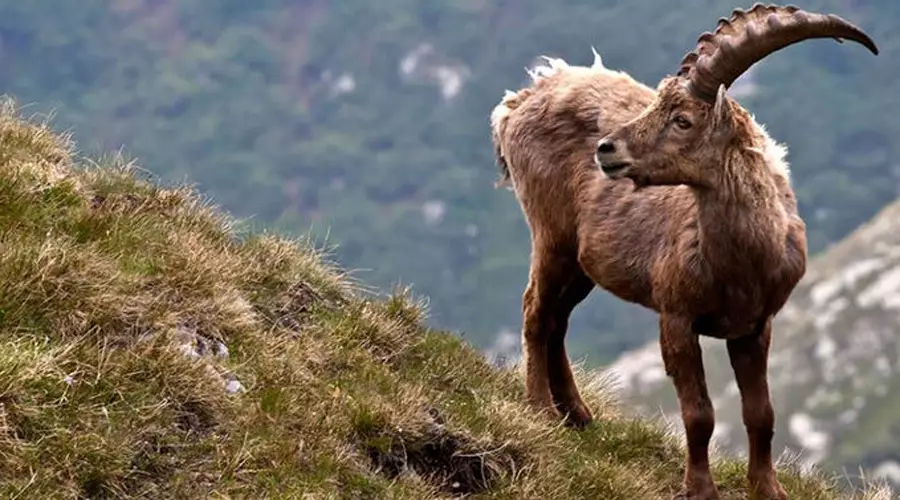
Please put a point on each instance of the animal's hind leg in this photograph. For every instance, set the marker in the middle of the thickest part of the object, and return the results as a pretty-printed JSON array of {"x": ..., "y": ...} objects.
[
  {"x": 748, "y": 358},
  {"x": 555, "y": 286},
  {"x": 562, "y": 383}
]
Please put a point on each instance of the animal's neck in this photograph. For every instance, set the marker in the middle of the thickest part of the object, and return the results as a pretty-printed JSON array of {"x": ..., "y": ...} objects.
[{"x": 741, "y": 221}]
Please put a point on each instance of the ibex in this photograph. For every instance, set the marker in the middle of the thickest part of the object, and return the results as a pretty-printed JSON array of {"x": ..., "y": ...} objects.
[{"x": 691, "y": 213}]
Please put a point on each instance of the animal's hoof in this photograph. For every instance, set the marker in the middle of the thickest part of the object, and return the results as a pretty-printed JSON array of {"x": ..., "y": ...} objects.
[
  {"x": 771, "y": 491},
  {"x": 707, "y": 494},
  {"x": 579, "y": 418},
  {"x": 767, "y": 489},
  {"x": 576, "y": 415}
]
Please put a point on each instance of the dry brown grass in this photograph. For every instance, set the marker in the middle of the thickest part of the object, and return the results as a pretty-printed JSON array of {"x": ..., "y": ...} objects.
[{"x": 117, "y": 297}]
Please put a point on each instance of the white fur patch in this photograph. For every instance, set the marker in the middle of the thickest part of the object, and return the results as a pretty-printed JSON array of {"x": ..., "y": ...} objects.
[
  {"x": 501, "y": 111},
  {"x": 774, "y": 153},
  {"x": 598, "y": 61},
  {"x": 539, "y": 72},
  {"x": 553, "y": 66}
]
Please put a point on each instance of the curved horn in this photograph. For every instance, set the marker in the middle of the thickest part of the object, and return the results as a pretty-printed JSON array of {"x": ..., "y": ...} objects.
[{"x": 748, "y": 36}]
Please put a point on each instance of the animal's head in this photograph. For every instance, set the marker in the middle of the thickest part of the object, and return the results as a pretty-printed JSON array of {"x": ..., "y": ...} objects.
[{"x": 684, "y": 135}]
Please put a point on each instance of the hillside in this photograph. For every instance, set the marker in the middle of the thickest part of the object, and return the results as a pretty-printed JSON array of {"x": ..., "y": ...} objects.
[
  {"x": 364, "y": 123},
  {"x": 148, "y": 349},
  {"x": 834, "y": 362}
]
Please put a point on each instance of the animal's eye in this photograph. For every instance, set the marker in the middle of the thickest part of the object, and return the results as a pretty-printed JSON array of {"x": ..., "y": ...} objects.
[{"x": 682, "y": 122}]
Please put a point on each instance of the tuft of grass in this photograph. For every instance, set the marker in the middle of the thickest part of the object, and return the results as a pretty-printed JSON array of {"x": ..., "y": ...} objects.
[{"x": 148, "y": 349}]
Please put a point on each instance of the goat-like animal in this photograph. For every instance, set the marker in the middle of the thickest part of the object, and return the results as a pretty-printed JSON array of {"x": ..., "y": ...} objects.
[{"x": 690, "y": 213}]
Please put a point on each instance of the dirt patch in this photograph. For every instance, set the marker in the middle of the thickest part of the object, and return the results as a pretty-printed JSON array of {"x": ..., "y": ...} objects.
[
  {"x": 452, "y": 462},
  {"x": 195, "y": 417},
  {"x": 292, "y": 309}
]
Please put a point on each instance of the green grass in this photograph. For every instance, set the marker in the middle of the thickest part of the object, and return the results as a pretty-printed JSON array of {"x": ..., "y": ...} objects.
[{"x": 117, "y": 295}]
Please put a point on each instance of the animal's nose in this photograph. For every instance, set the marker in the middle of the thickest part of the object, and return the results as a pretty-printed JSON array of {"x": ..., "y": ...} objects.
[{"x": 605, "y": 147}]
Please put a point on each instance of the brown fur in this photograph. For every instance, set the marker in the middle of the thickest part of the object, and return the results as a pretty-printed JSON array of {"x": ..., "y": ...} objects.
[{"x": 702, "y": 227}]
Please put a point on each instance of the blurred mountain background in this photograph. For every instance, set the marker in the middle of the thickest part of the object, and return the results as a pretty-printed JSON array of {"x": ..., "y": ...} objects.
[{"x": 366, "y": 124}]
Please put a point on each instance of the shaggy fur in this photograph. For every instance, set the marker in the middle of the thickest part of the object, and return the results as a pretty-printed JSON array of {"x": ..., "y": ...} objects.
[
  {"x": 691, "y": 214},
  {"x": 702, "y": 228}
]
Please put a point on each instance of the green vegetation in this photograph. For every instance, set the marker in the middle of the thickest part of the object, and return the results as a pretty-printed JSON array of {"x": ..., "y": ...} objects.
[
  {"x": 150, "y": 350},
  {"x": 296, "y": 113}
]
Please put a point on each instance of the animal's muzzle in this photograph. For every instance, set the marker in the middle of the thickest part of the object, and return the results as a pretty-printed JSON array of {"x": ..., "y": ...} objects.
[
  {"x": 611, "y": 158},
  {"x": 606, "y": 146}
]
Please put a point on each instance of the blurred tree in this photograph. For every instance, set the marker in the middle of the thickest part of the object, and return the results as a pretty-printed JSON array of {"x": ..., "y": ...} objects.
[{"x": 367, "y": 121}]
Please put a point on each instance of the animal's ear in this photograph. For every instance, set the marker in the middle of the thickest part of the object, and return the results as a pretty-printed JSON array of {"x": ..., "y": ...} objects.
[{"x": 722, "y": 123}]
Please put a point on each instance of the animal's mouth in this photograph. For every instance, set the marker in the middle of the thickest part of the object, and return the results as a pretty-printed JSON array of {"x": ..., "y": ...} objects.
[{"x": 614, "y": 168}]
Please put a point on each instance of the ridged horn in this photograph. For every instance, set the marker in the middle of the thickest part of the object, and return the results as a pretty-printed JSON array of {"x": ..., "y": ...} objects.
[{"x": 748, "y": 36}]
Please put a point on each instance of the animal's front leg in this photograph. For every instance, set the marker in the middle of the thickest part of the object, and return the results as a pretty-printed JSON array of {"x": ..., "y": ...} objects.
[
  {"x": 556, "y": 285},
  {"x": 684, "y": 364},
  {"x": 749, "y": 360}
]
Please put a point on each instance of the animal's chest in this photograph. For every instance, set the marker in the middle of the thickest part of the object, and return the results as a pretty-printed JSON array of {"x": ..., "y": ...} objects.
[
  {"x": 721, "y": 304},
  {"x": 729, "y": 310}
]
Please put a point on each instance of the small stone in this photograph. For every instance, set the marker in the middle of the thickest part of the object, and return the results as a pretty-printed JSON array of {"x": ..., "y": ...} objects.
[
  {"x": 234, "y": 386},
  {"x": 221, "y": 350},
  {"x": 189, "y": 350}
]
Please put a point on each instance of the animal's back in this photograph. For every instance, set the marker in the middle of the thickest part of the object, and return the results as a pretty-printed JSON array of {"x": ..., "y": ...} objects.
[{"x": 545, "y": 136}]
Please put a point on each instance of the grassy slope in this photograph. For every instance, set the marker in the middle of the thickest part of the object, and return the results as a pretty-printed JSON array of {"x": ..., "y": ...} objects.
[{"x": 114, "y": 296}]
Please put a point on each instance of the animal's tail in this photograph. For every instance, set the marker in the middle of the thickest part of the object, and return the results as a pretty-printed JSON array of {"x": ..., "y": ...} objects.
[{"x": 512, "y": 100}]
